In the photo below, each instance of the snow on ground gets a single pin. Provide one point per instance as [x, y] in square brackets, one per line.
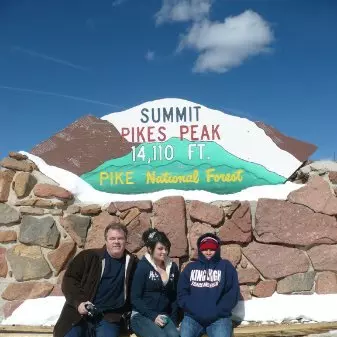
[275, 309]
[87, 194]
[39, 311]
[279, 308]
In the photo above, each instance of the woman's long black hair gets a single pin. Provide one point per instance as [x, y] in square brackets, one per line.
[152, 236]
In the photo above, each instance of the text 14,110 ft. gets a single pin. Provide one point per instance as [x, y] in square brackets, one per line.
[165, 152]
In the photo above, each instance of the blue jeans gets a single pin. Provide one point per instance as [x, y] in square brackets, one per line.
[220, 328]
[144, 327]
[103, 329]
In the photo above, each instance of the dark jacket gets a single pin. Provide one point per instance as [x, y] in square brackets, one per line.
[80, 284]
[208, 289]
[149, 296]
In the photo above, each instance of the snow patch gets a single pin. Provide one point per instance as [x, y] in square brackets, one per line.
[286, 308]
[37, 312]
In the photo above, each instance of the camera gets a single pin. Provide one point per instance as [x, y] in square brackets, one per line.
[92, 310]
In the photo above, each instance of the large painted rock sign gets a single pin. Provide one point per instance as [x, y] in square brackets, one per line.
[174, 144]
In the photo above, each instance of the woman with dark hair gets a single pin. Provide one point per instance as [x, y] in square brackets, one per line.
[154, 289]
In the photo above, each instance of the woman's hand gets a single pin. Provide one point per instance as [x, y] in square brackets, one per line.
[159, 321]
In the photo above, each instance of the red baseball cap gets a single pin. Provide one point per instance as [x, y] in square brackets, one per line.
[208, 243]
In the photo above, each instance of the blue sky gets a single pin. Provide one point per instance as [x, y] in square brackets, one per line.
[269, 60]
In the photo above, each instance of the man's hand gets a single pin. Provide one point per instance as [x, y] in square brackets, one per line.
[159, 321]
[81, 308]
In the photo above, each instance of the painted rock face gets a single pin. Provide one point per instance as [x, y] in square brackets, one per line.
[174, 144]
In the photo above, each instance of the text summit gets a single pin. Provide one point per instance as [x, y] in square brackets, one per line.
[193, 132]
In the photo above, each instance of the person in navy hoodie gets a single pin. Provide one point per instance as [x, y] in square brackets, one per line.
[208, 290]
[154, 289]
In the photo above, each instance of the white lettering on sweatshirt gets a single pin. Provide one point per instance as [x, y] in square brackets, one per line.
[205, 278]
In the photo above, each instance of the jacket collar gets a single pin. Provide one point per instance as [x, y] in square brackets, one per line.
[168, 263]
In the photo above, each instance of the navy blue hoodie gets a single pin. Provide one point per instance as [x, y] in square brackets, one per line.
[208, 289]
[149, 296]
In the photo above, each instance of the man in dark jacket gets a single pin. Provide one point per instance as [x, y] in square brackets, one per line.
[101, 277]
[208, 290]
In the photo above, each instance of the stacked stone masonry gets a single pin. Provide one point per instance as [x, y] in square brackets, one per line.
[285, 246]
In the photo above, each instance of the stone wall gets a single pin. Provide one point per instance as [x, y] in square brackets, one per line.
[279, 246]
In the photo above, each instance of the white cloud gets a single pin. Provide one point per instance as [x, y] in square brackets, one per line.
[150, 55]
[224, 45]
[183, 10]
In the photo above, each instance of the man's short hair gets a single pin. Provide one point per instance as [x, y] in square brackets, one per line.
[117, 227]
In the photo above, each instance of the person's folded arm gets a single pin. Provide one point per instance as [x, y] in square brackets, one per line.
[231, 293]
[71, 284]
[137, 290]
[183, 294]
